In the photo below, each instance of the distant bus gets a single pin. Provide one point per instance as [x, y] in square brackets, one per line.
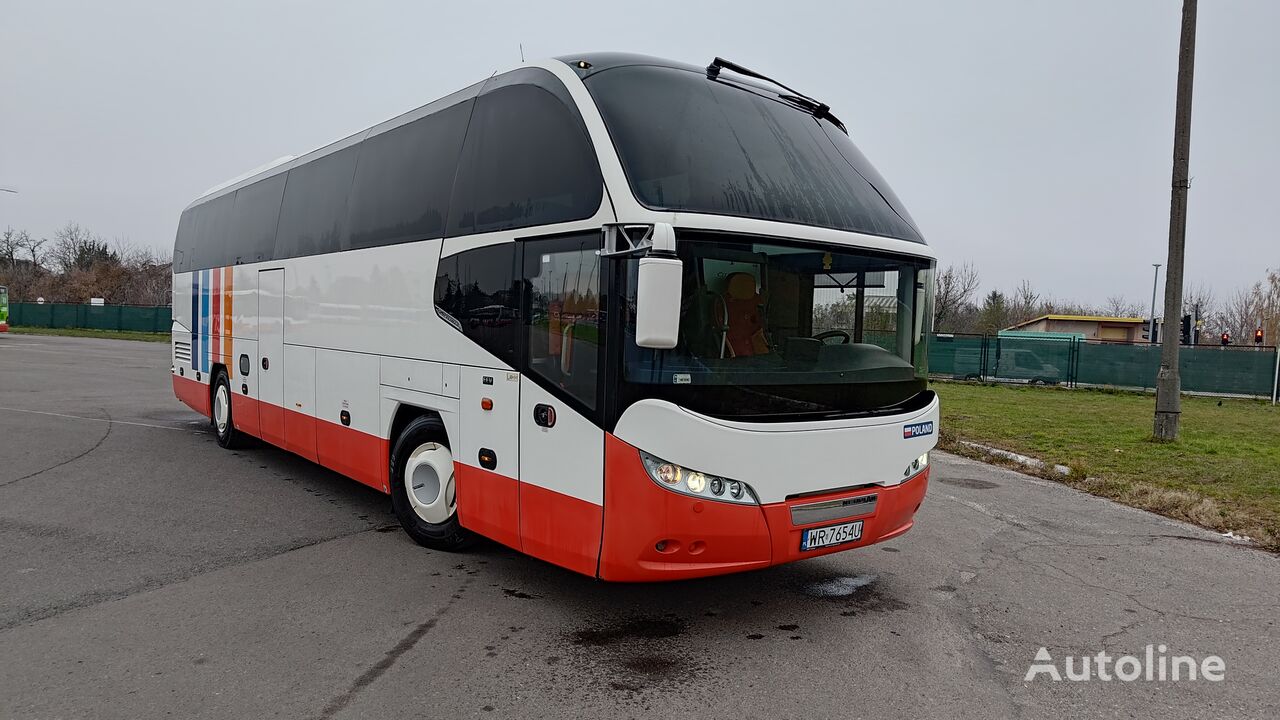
[4, 309]
[640, 319]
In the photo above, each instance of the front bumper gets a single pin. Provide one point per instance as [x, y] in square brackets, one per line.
[702, 537]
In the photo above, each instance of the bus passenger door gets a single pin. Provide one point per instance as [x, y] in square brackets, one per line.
[561, 443]
[271, 355]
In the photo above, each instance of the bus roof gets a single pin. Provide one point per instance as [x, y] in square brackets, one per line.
[597, 61]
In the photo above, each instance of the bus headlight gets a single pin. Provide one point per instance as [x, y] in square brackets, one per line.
[916, 466]
[697, 484]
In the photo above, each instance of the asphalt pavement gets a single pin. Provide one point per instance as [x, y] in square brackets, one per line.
[146, 572]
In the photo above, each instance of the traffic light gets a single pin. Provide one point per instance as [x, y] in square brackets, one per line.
[1257, 336]
[1226, 339]
[1186, 329]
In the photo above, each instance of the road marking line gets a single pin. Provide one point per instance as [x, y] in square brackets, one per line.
[105, 420]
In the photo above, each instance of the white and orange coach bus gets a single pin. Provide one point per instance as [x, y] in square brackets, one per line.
[640, 319]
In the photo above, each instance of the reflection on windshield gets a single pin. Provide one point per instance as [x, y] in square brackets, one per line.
[796, 328]
[693, 144]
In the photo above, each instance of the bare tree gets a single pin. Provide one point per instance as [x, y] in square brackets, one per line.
[1024, 304]
[11, 243]
[75, 248]
[1241, 311]
[1199, 297]
[1257, 306]
[1054, 306]
[956, 286]
[35, 250]
[1118, 306]
[83, 265]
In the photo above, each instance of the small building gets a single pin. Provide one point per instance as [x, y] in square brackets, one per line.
[1091, 327]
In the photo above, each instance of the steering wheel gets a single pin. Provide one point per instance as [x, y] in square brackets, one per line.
[824, 336]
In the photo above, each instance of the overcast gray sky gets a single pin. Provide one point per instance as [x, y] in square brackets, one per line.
[1031, 138]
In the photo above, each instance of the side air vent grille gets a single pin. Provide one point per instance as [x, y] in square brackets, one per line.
[181, 351]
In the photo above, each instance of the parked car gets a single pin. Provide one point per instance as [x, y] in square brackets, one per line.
[1017, 364]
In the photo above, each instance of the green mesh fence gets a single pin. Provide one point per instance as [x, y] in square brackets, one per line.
[962, 357]
[886, 339]
[94, 317]
[1032, 360]
[1234, 370]
[1118, 365]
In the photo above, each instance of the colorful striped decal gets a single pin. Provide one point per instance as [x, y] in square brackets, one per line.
[195, 317]
[227, 275]
[211, 293]
[204, 318]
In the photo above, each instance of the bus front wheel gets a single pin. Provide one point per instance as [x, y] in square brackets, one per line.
[423, 494]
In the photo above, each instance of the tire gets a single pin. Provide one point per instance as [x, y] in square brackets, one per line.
[224, 425]
[422, 487]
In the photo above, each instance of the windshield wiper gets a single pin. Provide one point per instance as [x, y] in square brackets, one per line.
[819, 110]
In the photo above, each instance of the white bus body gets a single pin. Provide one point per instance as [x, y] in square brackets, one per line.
[475, 357]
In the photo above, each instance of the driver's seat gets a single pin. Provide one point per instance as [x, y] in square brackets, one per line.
[739, 311]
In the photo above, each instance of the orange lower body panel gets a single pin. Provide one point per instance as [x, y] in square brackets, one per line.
[560, 529]
[245, 411]
[358, 455]
[271, 423]
[194, 394]
[488, 503]
[300, 435]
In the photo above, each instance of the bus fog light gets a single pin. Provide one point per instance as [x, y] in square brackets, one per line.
[717, 486]
[735, 489]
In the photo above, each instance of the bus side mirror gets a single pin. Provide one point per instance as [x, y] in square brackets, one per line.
[661, 277]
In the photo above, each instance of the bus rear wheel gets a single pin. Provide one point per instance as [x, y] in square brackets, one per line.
[224, 425]
[423, 494]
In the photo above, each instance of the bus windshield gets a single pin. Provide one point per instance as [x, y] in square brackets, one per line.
[713, 146]
[780, 329]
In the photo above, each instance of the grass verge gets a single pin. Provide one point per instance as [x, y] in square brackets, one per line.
[1223, 473]
[85, 332]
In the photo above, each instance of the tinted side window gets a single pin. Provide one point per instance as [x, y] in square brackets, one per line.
[184, 244]
[313, 215]
[477, 292]
[563, 326]
[527, 161]
[404, 179]
[212, 222]
[253, 224]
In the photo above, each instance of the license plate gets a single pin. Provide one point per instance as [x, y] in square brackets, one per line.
[815, 538]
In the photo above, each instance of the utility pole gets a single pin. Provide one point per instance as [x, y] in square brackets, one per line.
[1155, 281]
[1168, 381]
